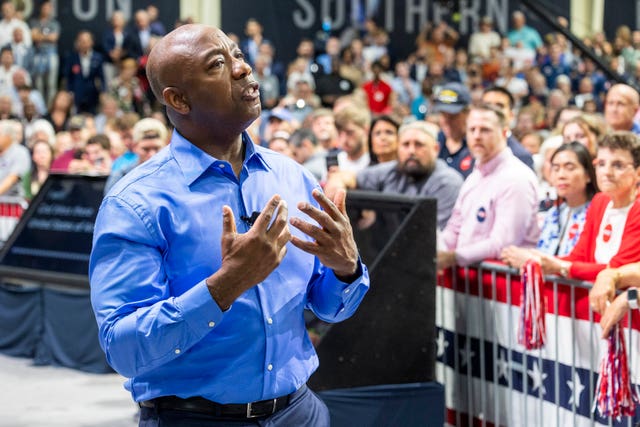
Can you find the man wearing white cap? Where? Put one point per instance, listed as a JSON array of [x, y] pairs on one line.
[[149, 137]]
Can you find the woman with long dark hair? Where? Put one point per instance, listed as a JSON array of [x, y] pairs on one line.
[[383, 139], [574, 179], [612, 227]]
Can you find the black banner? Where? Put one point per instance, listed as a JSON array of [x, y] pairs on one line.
[[94, 15], [285, 22], [52, 241], [624, 13]]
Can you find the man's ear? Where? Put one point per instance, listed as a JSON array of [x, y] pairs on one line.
[[175, 99]]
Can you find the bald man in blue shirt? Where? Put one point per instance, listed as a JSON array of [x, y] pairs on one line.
[[199, 276]]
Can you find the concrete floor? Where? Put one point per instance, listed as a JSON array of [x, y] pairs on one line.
[[47, 396]]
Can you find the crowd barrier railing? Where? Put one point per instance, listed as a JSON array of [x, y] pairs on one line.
[[491, 380], [11, 209]]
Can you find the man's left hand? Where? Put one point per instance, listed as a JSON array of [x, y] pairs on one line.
[[333, 243]]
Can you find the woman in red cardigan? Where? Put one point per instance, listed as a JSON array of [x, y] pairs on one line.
[[611, 234]]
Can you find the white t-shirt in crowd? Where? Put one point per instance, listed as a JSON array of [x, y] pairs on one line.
[[610, 234]]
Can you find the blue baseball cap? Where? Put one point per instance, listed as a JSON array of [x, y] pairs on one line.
[[452, 98]]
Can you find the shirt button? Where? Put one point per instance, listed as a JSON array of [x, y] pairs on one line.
[[270, 321], [221, 165], [270, 367], [212, 324], [341, 310], [346, 291], [177, 351]]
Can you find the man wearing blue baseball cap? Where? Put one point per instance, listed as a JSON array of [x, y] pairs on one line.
[[452, 102]]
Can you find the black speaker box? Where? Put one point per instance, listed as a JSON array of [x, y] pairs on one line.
[[391, 337]]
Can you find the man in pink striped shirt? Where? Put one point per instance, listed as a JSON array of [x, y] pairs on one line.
[[497, 203]]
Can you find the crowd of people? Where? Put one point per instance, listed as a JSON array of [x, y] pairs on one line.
[[89, 110], [527, 146]]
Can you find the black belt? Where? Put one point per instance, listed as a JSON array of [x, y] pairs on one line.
[[262, 408]]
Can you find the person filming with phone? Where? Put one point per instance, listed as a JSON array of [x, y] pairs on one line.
[[206, 256], [95, 158]]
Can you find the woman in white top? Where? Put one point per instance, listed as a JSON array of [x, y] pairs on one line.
[[612, 228]]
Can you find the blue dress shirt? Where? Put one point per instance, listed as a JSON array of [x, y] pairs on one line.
[[156, 240]]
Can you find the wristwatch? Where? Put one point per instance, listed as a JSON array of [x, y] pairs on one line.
[[632, 298]]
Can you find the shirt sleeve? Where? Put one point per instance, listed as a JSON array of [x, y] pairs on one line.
[[446, 192], [366, 180], [333, 300], [448, 239], [141, 325], [21, 162], [581, 270]]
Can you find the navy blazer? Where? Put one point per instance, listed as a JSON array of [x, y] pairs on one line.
[[86, 90], [132, 45], [109, 42]]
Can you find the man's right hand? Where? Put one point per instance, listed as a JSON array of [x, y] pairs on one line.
[[247, 259], [514, 256]]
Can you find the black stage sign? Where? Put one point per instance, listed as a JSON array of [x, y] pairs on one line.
[[52, 242], [285, 22], [94, 16], [391, 337]]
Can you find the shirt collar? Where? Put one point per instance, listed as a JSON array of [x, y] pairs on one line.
[[492, 165], [193, 162]]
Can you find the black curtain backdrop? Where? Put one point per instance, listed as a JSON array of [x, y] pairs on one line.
[[285, 22], [407, 405], [54, 326]]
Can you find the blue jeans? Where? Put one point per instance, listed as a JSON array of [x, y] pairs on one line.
[[45, 72], [305, 409]]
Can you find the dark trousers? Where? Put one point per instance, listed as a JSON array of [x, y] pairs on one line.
[[305, 409]]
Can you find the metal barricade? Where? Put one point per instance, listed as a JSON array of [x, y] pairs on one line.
[[491, 380], [11, 209]]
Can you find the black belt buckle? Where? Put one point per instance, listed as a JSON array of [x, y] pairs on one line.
[[250, 413]]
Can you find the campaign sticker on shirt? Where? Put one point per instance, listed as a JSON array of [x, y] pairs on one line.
[[606, 233], [481, 215], [465, 163], [573, 230], [378, 96]]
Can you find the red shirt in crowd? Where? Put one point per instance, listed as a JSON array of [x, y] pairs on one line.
[[584, 265], [379, 95]]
